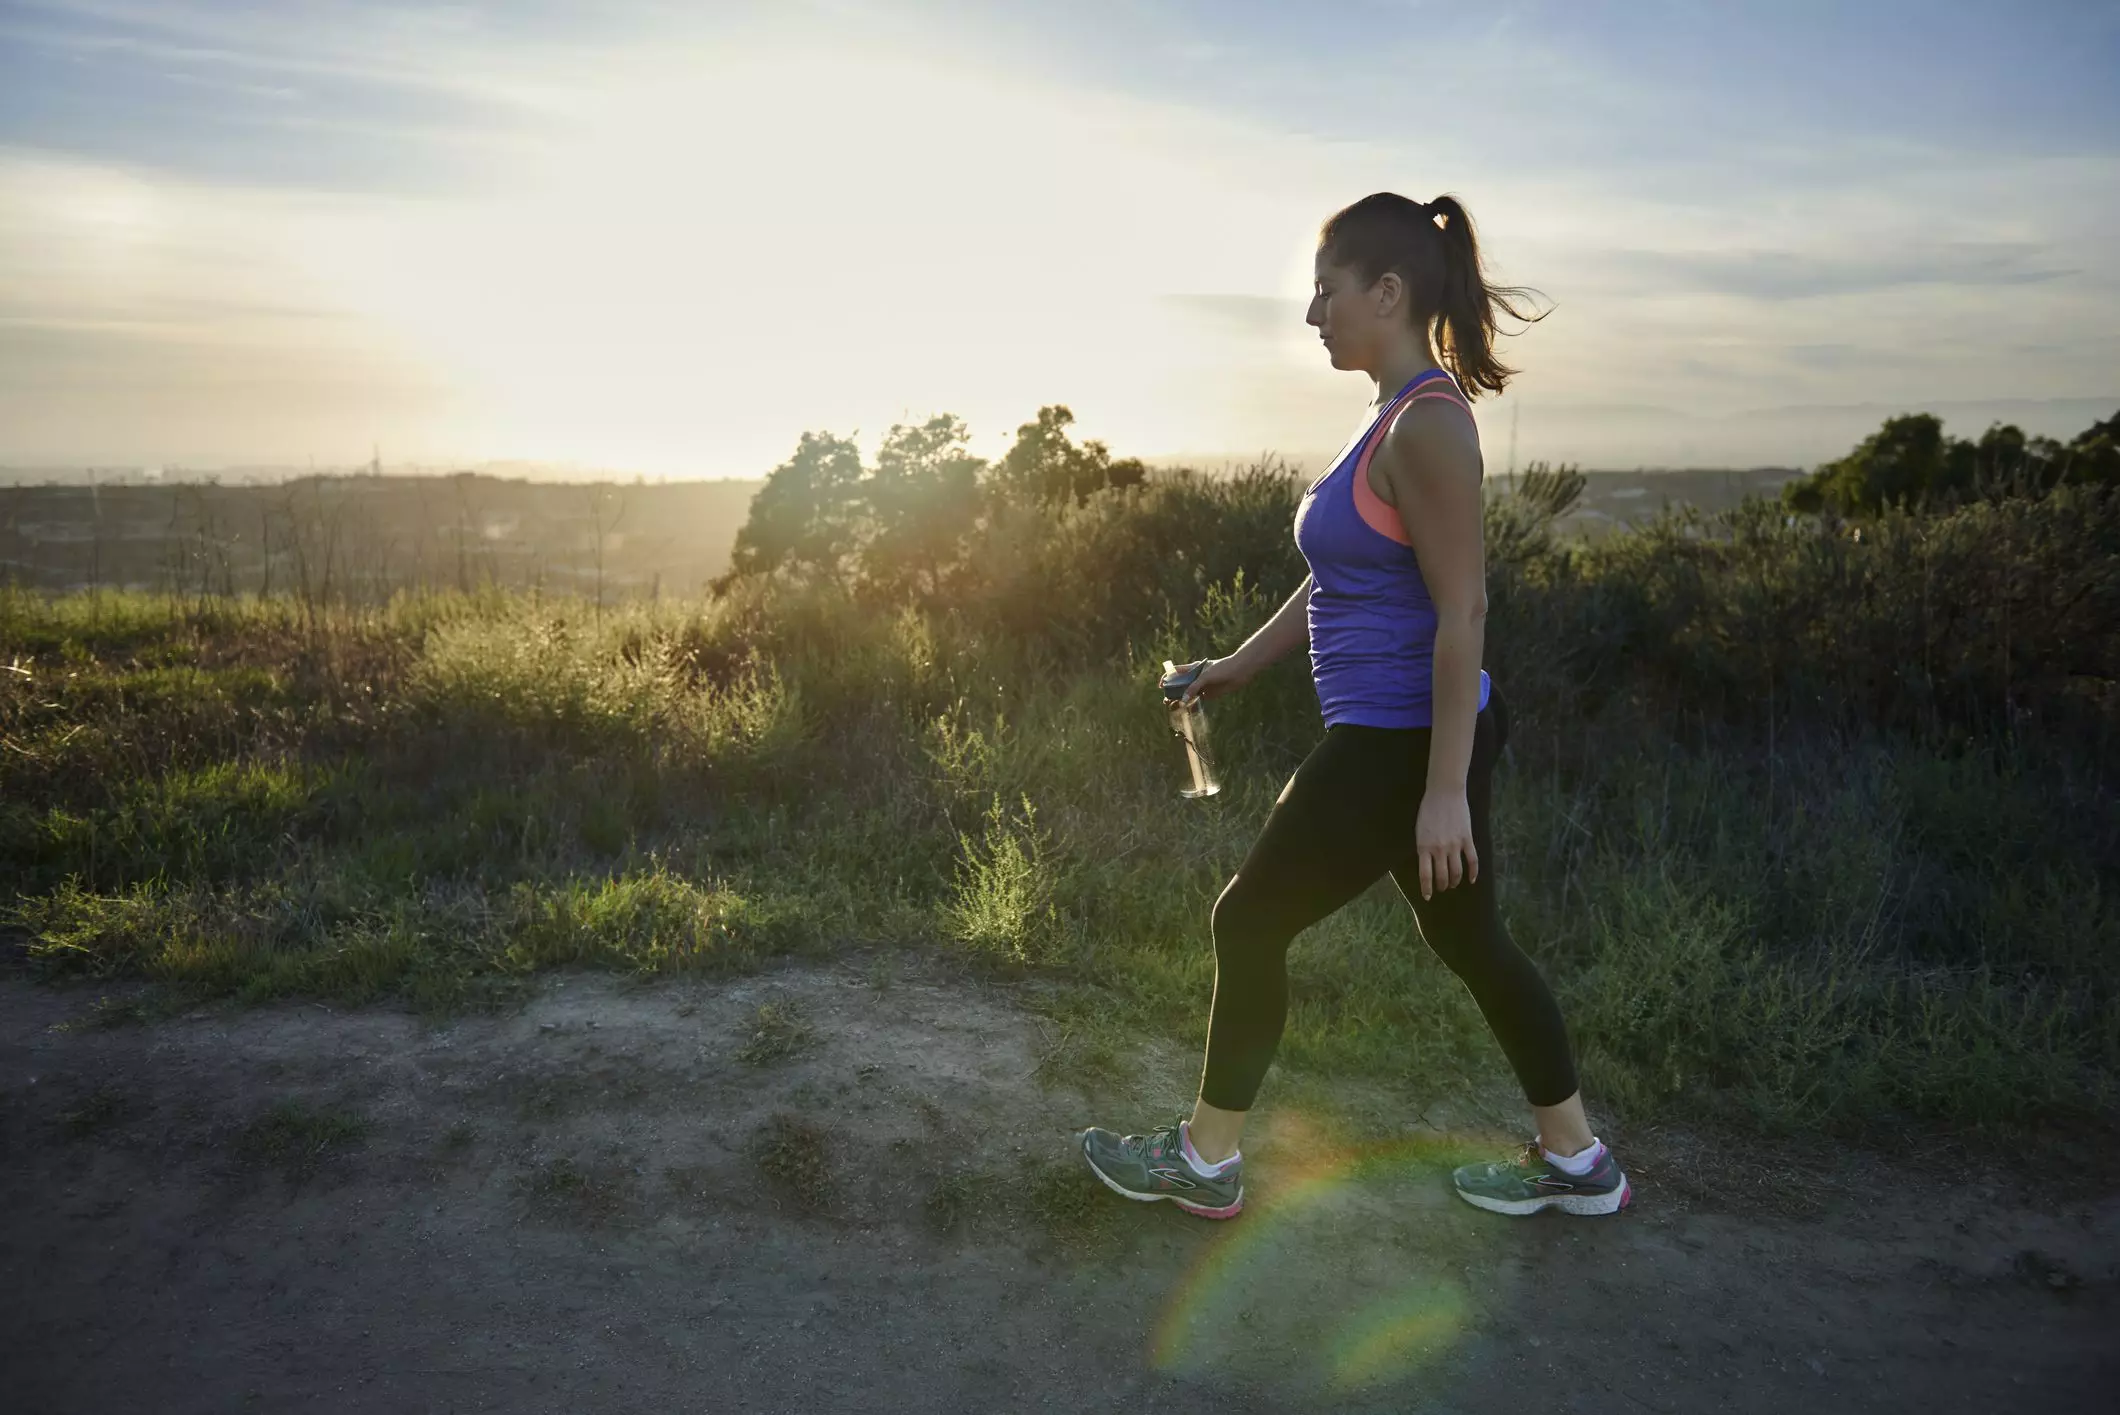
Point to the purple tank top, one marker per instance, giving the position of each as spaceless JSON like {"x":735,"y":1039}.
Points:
{"x":1372,"y":623}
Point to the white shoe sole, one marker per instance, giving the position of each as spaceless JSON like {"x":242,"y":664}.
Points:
{"x":1610,"y":1203}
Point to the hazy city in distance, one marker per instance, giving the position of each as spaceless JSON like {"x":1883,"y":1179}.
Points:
{"x":1617,"y":439}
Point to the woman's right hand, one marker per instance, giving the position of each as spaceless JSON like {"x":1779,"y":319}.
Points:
{"x":1217,"y":676}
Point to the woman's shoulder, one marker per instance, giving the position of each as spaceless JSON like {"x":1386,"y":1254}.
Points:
{"x":1430,"y":436}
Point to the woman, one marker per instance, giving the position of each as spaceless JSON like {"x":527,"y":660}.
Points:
{"x":1394,"y":613}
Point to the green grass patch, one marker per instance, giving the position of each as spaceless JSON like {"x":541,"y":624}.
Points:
{"x":327,"y":933}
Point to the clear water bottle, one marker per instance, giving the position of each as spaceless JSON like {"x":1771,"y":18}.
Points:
{"x":1189,"y":725}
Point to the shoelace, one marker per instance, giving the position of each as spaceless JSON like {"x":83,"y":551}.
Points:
{"x":1146,"y":1143}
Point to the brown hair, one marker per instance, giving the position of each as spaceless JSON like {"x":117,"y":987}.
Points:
{"x":1433,"y":249}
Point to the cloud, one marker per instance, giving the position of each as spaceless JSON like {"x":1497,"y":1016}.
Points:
{"x":324,"y":96}
{"x":1797,"y":275}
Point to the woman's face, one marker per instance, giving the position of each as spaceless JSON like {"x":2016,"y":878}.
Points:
{"x":1349,"y":313}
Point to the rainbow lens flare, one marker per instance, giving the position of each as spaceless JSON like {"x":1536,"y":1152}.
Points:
{"x":1327,"y":1282}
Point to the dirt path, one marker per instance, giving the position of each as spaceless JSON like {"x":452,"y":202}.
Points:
{"x":653,"y":1199}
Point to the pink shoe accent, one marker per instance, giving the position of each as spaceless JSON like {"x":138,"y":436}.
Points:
{"x":1201,"y":1211}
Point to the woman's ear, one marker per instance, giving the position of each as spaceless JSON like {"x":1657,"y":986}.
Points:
{"x":1389,"y":289}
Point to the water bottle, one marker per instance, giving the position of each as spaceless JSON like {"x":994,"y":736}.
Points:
{"x":1189,"y":725}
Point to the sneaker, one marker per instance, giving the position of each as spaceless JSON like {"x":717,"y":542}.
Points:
{"x":1153,"y":1166}
{"x":1528,"y":1182}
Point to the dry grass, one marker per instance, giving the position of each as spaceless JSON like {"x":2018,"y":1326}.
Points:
{"x":777,"y":1031}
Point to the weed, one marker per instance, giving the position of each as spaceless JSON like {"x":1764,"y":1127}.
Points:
{"x":882,"y":973}
{"x":795,"y":1158}
{"x":1066,"y":1201}
{"x":778,"y":1030}
{"x":950,"y":1200}
{"x":98,"y":1111}
{"x":297,"y":1138}
{"x":1002,"y":902}
{"x":110,"y":1012}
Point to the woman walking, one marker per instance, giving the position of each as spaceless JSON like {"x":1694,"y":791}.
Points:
{"x":1394,"y":614}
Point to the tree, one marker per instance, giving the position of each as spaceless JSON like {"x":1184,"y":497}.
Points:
{"x":900,"y":528}
{"x":921,"y":500}
{"x":1900,"y":464}
{"x":2093,"y":455}
{"x":1044,"y":466}
{"x":808,"y":515}
{"x":1909,"y":462}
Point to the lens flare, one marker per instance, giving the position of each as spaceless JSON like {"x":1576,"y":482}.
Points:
{"x":1396,"y":1334}
{"x":1284,"y":1281}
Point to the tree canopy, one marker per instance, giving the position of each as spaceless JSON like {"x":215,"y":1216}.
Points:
{"x":900,"y":525}
{"x":1911,"y":462}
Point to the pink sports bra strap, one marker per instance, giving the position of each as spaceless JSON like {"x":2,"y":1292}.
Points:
{"x":1367,"y":504}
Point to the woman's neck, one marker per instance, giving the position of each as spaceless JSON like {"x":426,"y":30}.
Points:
{"x":1397,"y":372}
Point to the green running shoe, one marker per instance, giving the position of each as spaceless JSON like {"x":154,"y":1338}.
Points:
{"x":1527,"y":1183}
{"x":1153,"y":1166}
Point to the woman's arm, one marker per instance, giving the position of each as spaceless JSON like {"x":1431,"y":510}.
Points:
{"x":1289,"y":629}
{"x":1430,"y":461}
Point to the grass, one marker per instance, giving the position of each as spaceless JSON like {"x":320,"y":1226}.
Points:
{"x":794,"y":1156}
{"x":1846,"y":913}
{"x":950,"y":1200}
{"x":778,"y":1030}
{"x":97,"y":1112}
{"x":1076,"y":1216}
{"x":568,"y":1189}
{"x":297,"y":1138}
{"x":1072,"y":1213}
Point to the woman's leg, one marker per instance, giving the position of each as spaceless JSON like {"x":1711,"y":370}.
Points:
{"x":1464,"y":927}
{"x":1329,"y":837}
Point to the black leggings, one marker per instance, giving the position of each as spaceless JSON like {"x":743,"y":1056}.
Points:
{"x":1346,"y":817}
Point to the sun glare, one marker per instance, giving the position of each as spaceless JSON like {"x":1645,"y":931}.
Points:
{"x":806,"y":241}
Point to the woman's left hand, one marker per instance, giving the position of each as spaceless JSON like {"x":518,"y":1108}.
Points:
{"x":1443,"y":835}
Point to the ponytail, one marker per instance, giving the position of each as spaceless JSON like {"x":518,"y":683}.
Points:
{"x":1433,"y":249}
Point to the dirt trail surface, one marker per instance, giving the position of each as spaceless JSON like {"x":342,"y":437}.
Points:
{"x":830,"y":1190}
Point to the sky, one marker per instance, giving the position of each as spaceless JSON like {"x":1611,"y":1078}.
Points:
{"x":668,"y":238}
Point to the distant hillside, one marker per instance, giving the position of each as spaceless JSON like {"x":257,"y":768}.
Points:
{"x":275,"y":474}
{"x":1612,"y":499}
{"x":367,"y":535}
